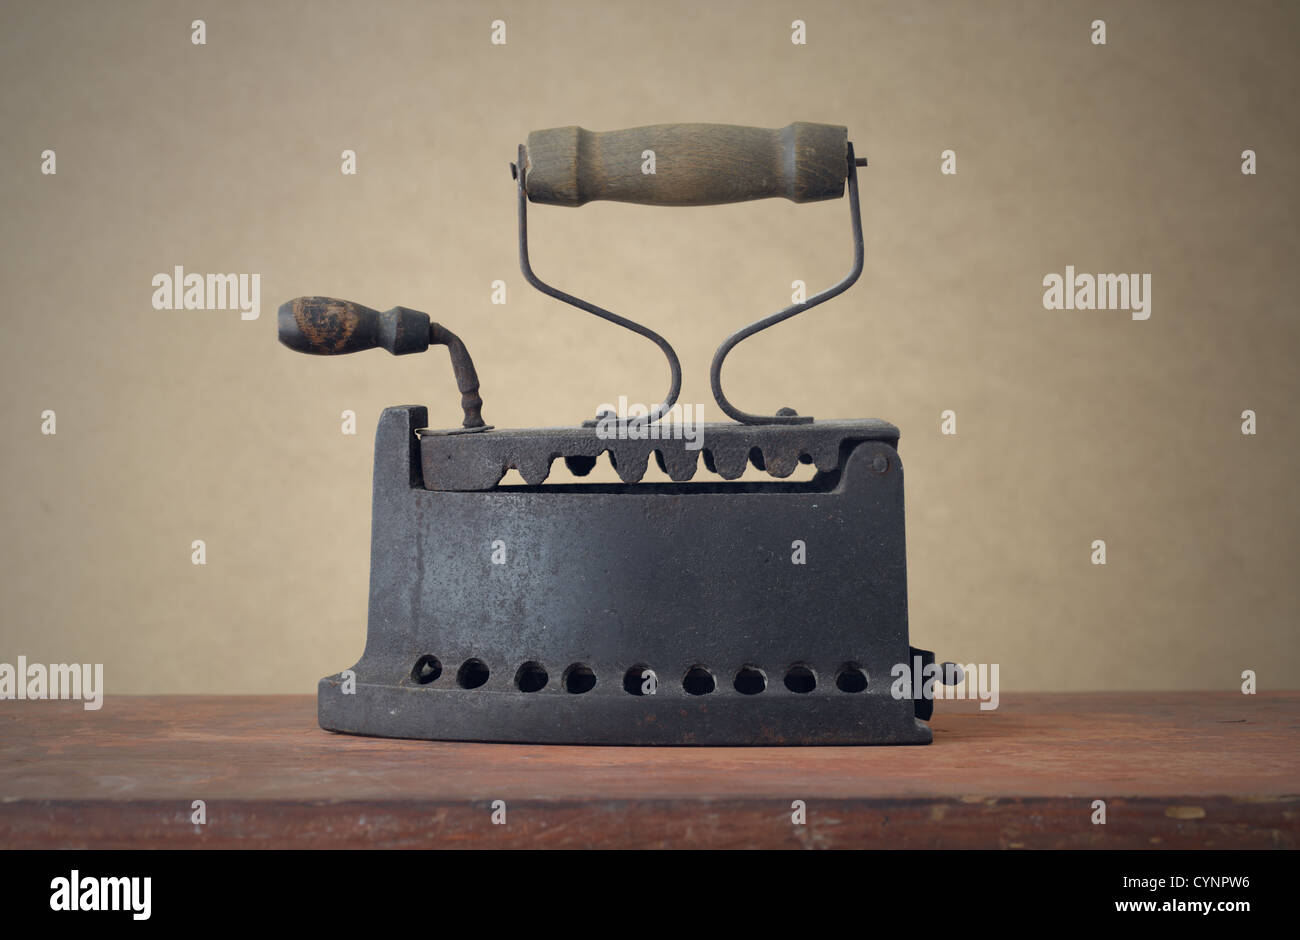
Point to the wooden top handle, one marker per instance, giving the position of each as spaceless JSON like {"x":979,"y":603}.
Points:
{"x":687,"y":164}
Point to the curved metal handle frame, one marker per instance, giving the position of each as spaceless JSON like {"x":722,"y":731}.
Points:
{"x":675,"y":367}
{"x":788,"y":415}
{"x":785,"y":415}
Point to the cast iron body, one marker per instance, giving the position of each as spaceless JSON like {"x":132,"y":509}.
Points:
{"x":705,"y":612}
{"x":612,"y":578}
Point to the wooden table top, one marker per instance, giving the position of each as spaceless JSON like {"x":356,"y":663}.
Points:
{"x":1176,"y":770}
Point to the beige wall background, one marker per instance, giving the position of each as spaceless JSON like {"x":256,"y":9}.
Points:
{"x":1072,"y":426}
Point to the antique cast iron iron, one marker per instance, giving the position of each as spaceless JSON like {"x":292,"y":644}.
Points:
{"x":632,"y":612}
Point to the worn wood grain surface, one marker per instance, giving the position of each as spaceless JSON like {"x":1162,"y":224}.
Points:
{"x":695,"y":164}
{"x":1176,"y":770}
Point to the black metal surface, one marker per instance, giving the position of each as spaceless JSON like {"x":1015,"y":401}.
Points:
{"x":478,"y":462}
{"x":628,"y":577}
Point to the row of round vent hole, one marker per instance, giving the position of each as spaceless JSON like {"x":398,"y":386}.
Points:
{"x":699,"y":680}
